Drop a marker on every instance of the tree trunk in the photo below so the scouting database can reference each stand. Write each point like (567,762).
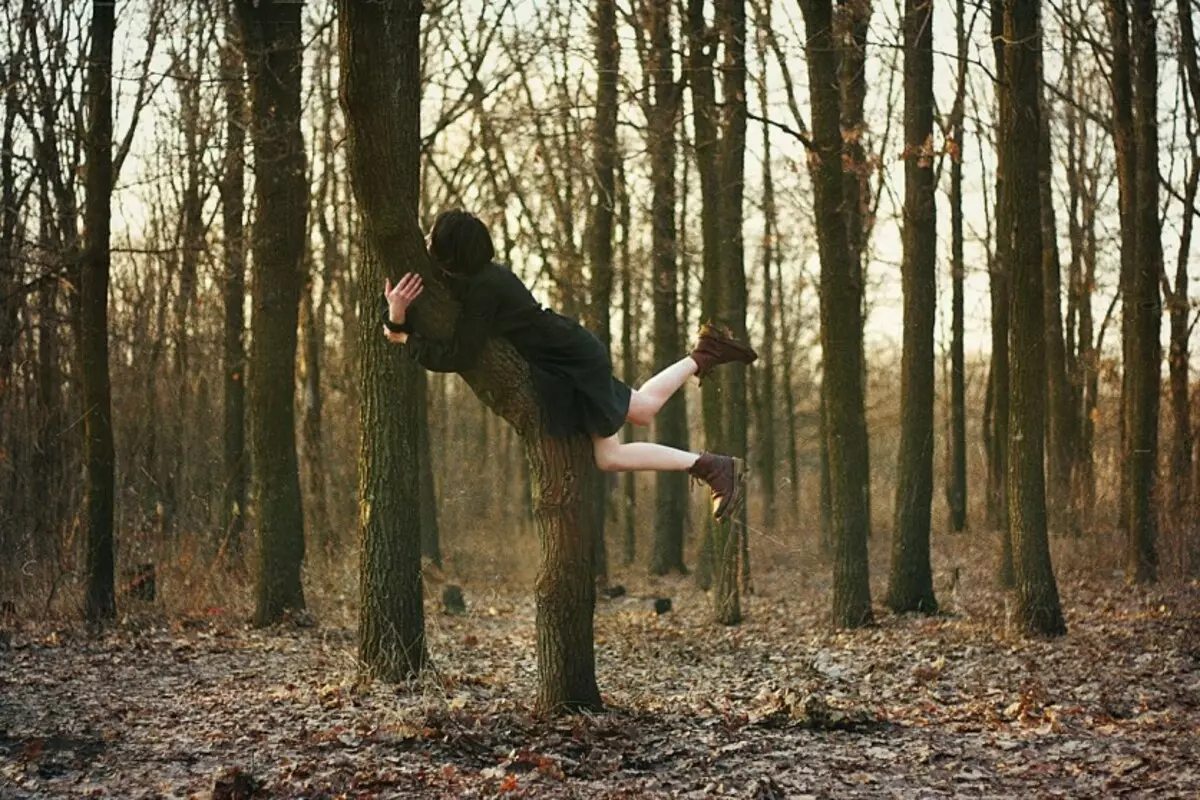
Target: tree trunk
(272,35)
(100,601)
(957,472)
(600,231)
(671,424)
(841,332)
(730,543)
(998,503)
(380,55)
(312,324)
(1060,421)
(380,94)
(911,583)
(1144,308)
(767,402)
(1037,609)
(1182,438)
(1124,141)
(628,361)
(233,189)
(713,167)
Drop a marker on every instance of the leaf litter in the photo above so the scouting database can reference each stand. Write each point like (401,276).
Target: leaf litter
(781,706)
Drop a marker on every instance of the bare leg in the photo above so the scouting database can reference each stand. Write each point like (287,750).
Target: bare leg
(648,399)
(613,456)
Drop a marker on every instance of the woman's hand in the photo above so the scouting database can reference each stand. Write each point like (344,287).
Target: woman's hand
(401,296)
(395,338)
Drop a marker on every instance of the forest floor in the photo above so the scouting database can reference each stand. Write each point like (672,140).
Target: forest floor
(780,706)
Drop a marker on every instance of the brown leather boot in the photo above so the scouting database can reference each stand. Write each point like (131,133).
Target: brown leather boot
(716,346)
(726,476)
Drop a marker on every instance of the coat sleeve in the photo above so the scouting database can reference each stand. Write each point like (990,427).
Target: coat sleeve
(471,332)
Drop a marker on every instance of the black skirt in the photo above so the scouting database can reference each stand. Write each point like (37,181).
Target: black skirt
(574,379)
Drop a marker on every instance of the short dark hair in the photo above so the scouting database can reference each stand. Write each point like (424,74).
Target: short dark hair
(460,241)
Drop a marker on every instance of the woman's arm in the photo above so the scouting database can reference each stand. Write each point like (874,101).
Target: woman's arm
(462,350)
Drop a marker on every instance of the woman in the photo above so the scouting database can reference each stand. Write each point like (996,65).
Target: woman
(571,370)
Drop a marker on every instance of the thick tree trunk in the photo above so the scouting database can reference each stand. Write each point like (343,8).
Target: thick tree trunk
(380,94)
(911,584)
(1037,609)
(1144,306)
(273,41)
(380,52)
(233,188)
(100,458)
(671,424)
(841,332)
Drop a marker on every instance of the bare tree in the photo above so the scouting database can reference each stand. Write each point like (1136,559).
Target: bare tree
(1037,607)
(1143,308)
(841,331)
(272,34)
(911,584)
(100,601)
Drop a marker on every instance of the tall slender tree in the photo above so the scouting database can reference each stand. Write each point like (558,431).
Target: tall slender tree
(1178,301)
(1124,140)
(999,274)
(841,330)
(1143,307)
(100,600)
(273,47)
(671,424)
(233,192)
(1037,609)
(956,484)
(911,584)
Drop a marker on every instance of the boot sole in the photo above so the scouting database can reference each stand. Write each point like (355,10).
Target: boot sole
(740,472)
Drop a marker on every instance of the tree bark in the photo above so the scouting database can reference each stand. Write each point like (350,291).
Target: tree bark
(1124,140)
(233,190)
(100,458)
(273,42)
(767,402)
(381,97)
(841,332)
(1037,609)
(1060,421)
(1000,278)
(957,472)
(1144,308)
(671,424)
(1180,304)
(600,231)
(911,583)
(628,361)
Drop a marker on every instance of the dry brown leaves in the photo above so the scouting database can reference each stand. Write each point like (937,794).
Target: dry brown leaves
(778,707)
